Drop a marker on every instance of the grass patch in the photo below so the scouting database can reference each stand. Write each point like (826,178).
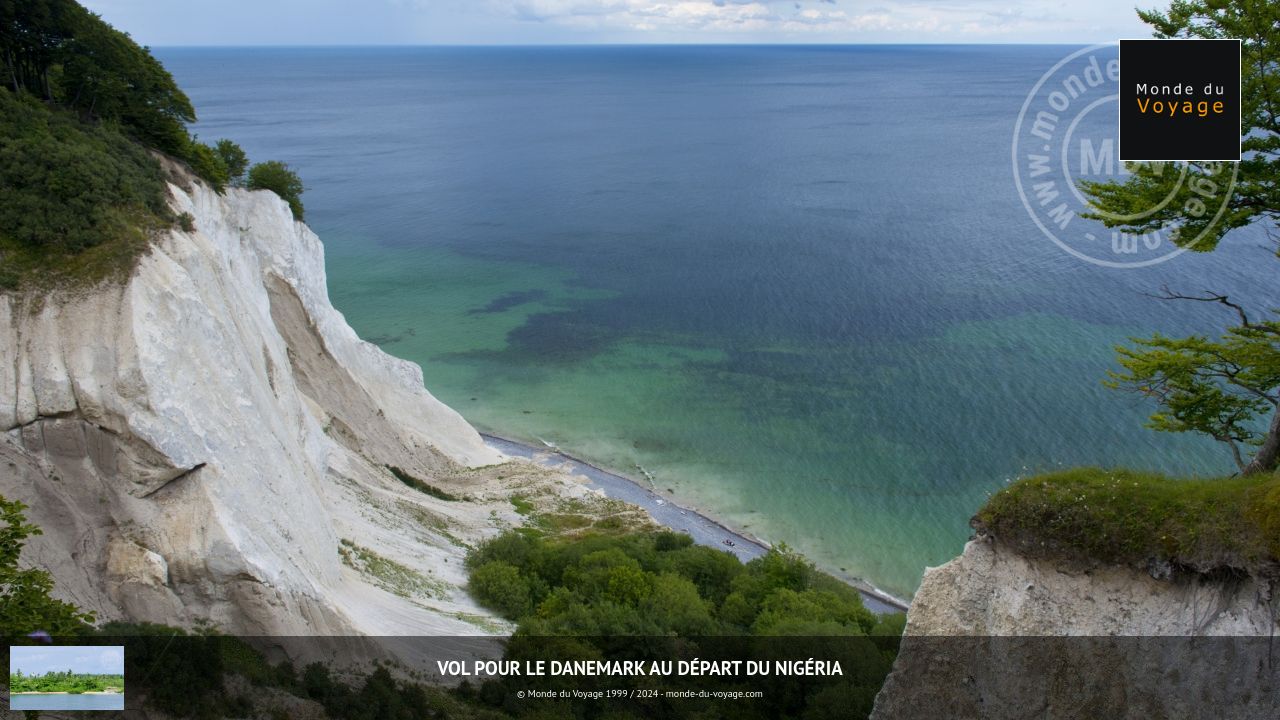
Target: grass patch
(1088,516)
(555,515)
(422,486)
(424,517)
(522,505)
(391,575)
(483,622)
(557,523)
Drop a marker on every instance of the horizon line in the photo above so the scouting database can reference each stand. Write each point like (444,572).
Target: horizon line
(301,46)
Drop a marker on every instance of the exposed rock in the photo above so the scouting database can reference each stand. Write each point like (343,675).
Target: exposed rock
(196,441)
(993,634)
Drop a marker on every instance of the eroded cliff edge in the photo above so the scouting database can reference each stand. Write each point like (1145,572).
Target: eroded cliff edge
(995,634)
(209,441)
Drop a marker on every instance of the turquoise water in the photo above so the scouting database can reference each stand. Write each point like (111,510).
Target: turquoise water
(66,702)
(795,284)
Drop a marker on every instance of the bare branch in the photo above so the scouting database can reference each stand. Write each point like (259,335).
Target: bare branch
(1209,296)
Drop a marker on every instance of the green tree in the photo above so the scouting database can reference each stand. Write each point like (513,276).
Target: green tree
(811,613)
(72,59)
(627,585)
(25,603)
(1256,194)
(208,164)
(32,32)
(674,604)
(67,185)
(234,159)
(1227,388)
(276,176)
(1220,388)
(106,75)
(711,570)
(640,596)
(500,586)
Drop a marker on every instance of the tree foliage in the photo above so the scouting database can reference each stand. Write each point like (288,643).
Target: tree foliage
(203,675)
(25,602)
(1256,194)
(32,34)
(656,583)
(60,51)
(1226,388)
(65,681)
(233,159)
(502,587)
(1221,388)
(276,176)
(81,108)
(656,595)
(208,164)
(67,185)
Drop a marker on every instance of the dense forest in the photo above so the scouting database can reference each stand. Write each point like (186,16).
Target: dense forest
(65,682)
(658,596)
(84,115)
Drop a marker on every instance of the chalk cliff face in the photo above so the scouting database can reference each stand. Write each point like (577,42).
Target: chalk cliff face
(209,441)
(990,590)
(994,634)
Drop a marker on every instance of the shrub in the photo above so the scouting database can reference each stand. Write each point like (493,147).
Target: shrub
(276,176)
(641,596)
(657,583)
(208,164)
(69,186)
(58,50)
(421,485)
(233,159)
(512,548)
(26,603)
(81,193)
(499,586)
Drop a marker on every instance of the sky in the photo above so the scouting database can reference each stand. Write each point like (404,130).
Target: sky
(88,659)
(162,23)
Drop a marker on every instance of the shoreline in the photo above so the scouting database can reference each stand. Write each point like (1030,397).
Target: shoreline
(63,692)
(702,527)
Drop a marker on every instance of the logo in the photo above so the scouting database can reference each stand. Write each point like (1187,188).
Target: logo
(1067,133)
(1180,100)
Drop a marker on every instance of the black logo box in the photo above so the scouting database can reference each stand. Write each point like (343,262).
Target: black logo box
(1185,68)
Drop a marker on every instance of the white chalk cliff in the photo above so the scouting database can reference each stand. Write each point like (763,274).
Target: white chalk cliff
(995,634)
(199,440)
(993,591)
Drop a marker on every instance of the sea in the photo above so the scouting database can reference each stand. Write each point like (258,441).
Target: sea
(88,701)
(795,285)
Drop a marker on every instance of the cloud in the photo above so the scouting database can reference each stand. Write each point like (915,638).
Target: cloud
(678,15)
(922,18)
(78,658)
(365,22)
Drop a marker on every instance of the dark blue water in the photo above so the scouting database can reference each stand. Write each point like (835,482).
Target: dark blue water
(795,284)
